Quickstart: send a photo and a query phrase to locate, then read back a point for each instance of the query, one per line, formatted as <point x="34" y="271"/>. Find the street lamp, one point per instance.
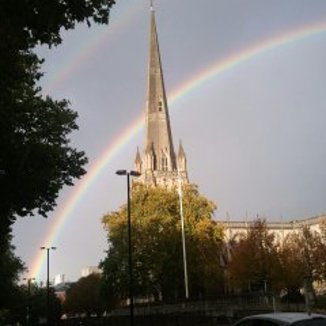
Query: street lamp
<point x="131" y="306"/>
<point x="48" y="281"/>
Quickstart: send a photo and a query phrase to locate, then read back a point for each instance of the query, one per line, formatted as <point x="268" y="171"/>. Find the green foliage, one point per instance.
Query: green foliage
<point x="31" y="303"/>
<point x="10" y="267"/>
<point x="35" y="151"/>
<point x="36" y="157"/>
<point x="157" y="246"/>
<point x="85" y="296"/>
<point x="258" y="261"/>
<point x="33" y="22"/>
<point x="37" y="301"/>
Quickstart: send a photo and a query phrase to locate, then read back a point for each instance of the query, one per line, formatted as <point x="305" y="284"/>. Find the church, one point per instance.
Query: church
<point x="160" y="165"/>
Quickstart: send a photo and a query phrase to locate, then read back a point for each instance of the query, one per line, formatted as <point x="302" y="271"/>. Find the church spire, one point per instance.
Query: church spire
<point x="158" y="130"/>
<point x="158" y="165"/>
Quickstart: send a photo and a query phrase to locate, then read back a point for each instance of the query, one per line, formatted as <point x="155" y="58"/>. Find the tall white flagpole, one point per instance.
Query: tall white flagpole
<point x="184" y="253"/>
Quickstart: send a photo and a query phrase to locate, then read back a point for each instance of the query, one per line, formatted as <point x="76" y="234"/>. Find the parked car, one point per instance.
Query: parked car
<point x="283" y="319"/>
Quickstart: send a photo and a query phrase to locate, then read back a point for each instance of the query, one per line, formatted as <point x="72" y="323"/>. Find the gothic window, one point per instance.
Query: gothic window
<point x="152" y="159"/>
<point x="160" y="105"/>
<point x="153" y="162"/>
<point x="164" y="161"/>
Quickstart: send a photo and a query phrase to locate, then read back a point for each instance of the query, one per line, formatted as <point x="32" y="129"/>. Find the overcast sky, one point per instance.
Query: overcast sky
<point x="254" y="135"/>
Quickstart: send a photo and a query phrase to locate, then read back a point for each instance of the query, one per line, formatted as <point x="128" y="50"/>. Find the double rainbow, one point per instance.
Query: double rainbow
<point x="212" y="71"/>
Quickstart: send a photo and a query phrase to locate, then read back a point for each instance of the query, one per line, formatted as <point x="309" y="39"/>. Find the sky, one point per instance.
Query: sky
<point x="253" y="131"/>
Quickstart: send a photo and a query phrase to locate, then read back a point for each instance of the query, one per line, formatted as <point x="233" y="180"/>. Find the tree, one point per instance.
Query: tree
<point x="39" y="22"/>
<point x="85" y="296"/>
<point x="157" y="250"/>
<point x="322" y="250"/>
<point x="292" y="267"/>
<point x="10" y="267"/>
<point x="31" y="304"/>
<point x="38" y="305"/>
<point x="255" y="262"/>
<point x="36" y="157"/>
<point x="303" y="259"/>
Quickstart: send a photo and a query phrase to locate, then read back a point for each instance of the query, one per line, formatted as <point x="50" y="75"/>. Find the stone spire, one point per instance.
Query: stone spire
<point x="159" y="163"/>
<point x="138" y="161"/>
<point x="182" y="160"/>
<point x="157" y="126"/>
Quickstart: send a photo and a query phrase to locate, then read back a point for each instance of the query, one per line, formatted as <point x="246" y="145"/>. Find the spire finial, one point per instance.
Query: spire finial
<point x="151" y="5"/>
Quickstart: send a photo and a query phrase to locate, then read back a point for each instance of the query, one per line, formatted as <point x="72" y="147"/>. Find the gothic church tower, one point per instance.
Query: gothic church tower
<point x="159" y="165"/>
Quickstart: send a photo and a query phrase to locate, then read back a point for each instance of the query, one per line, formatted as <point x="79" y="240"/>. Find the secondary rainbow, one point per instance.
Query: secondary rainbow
<point x="106" y="35"/>
<point x="191" y="84"/>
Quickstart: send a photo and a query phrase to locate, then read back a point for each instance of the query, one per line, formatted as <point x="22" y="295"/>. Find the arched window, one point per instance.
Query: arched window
<point x="164" y="162"/>
<point x="153" y="161"/>
<point x="160" y="105"/>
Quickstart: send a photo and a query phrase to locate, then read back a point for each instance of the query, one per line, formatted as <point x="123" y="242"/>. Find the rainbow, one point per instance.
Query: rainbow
<point x="191" y="84"/>
<point x="105" y="33"/>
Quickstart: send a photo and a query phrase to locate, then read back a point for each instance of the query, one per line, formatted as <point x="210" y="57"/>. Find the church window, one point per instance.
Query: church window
<point x="160" y="105"/>
<point x="153" y="162"/>
<point x="164" y="163"/>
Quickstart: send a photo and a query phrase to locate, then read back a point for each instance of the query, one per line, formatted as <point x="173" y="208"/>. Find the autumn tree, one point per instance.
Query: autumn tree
<point x="310" y="243"/>
<point x="303" y="258"/>
<point x="322" y="250"/>
<point x="255" y="262"/>
<point x="157" y="246"/>
<point x="292" y="267"/>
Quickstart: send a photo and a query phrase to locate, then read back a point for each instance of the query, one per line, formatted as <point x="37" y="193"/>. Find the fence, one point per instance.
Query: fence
<point x="221" y="311"/>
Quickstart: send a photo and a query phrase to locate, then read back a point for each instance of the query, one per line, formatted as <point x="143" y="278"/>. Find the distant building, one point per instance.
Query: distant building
<point x="234" y="229"/>
<point x="159" y="165"/>
<point x="61" y="290"/>
<point x="59" y="278"/>
<point x="61" y="287"/>
<point x="88" y="270"/>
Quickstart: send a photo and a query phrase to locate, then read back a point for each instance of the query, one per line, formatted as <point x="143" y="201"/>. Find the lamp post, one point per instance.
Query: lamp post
<point x="131" y="295"/>
<point x="48" y="282"/>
